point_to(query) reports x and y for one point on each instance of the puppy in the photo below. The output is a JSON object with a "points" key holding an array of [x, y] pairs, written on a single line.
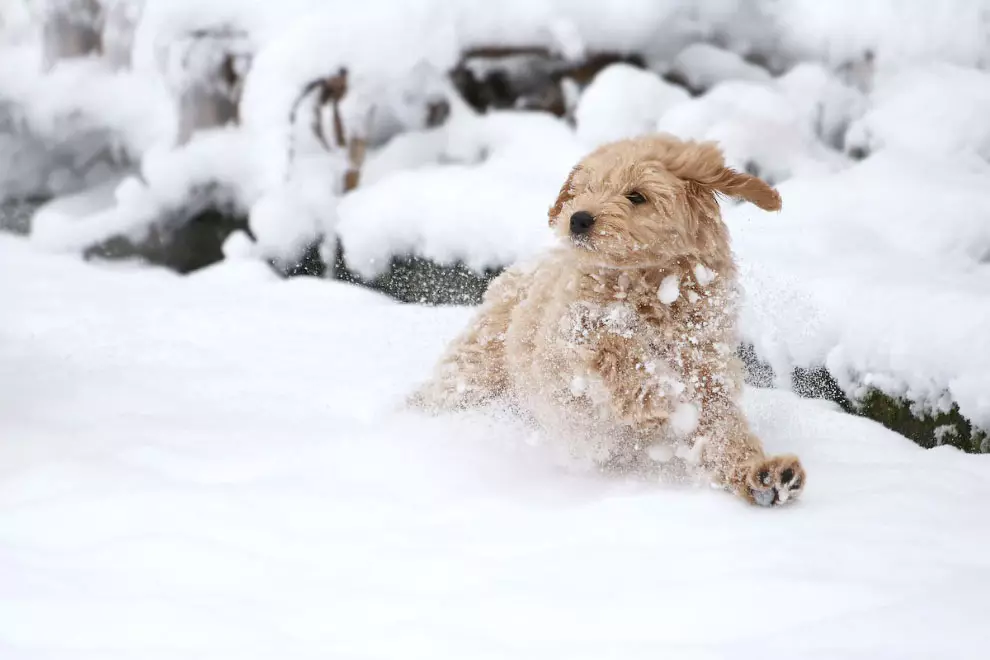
{"points": [[622, 340]]}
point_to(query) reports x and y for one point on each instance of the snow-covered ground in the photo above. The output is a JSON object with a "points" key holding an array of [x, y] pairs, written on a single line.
{"points": [[215, 467], [218, 466]]}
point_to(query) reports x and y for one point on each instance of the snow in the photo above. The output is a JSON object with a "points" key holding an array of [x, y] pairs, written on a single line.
{"points": [[827, 104], [623, 101], [880, 273], [670, 289], [704, 275], [936, 109], [898, 33], [215, 466], [486, 210], [702, 66], [169, 180], [85, 94], [684, 419], [759, 127]]}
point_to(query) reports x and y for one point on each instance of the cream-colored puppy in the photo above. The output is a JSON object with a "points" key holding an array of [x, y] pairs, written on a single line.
{"points": [[622, 340]]}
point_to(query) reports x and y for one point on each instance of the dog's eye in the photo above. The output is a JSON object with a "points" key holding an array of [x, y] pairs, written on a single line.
{"points": [[636, 198]]}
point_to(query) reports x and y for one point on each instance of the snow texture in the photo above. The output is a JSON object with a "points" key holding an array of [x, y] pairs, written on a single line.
{"points": [[486, 211], [623, 101], [757, 125], [880, 273], [206, 467], [670, 290], [939, 109], [702, 66]]}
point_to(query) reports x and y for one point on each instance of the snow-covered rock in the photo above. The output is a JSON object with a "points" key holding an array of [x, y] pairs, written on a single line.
{"points": [[760, 128], [702, 66], [935, 110], [827, 104], [623, 101], [486, 215], [880, 273], [897, 33]]}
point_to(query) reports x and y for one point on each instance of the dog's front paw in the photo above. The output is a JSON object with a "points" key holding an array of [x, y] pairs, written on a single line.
{"points": [[774, 481]]}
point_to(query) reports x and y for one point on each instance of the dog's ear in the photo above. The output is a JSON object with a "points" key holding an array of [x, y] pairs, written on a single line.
{"points": [[747, 187], [704, 164], [566, 194]]}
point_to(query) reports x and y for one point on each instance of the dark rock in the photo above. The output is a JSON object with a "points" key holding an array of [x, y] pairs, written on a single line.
{"points": [[16, 213], [525, 78], [818, 383], [311, 264], [757, 372], [183, 243], [928, 430], [413, 279]]}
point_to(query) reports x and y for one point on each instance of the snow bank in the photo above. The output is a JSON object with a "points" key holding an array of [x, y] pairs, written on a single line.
{"points": [[760, 128], [936, 110], [213, 168], [85, 94], [880, 273], [180, 481], [487, 214], [898, 33], [702, 66], [827, 105], [623, 101]]}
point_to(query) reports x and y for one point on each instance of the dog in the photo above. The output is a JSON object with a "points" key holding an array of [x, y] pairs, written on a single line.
{"points": [[622, 339]]}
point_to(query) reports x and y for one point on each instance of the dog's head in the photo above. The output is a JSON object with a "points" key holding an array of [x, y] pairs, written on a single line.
{"points": [[647, 200]]}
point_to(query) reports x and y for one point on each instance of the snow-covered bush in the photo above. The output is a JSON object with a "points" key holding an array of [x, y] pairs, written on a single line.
{"points": [[932, 110], [877, 273], [623, 101], [758, 126], [701, 66]]}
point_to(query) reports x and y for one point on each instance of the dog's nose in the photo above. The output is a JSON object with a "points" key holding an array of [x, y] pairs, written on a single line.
{"points": [[581, 222]]}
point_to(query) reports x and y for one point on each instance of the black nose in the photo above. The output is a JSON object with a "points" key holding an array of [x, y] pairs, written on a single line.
{"points": [[581, 222]]}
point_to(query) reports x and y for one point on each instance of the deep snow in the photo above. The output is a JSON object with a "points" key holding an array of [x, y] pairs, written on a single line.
{"points": [[215, 467]]}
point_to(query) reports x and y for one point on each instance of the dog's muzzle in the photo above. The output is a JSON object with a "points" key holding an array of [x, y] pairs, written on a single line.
{"points": [[581, 223]]}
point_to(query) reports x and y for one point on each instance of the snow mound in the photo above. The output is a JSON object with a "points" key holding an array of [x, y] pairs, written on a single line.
{"points": [[199, 486], [938, 110], [214, 167], [702, 66], [897, 33], [827, 105], [881, 273], [760, 129], [623, 101], [486, 214]]}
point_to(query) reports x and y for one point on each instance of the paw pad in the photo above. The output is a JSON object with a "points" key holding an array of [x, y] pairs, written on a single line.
{"points": [[775, 481]]}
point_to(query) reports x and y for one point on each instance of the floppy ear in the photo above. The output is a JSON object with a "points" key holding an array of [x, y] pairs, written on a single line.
{"points": [[703, 163], [566, 194], [747, 187]]}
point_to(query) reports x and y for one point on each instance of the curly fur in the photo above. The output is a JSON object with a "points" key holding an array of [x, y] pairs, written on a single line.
{"points": [[624, 339]]}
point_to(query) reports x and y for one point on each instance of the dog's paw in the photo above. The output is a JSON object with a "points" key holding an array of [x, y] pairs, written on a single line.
{"points": [[775, 481]]}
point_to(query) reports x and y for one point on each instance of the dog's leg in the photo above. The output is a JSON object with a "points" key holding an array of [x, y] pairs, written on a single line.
{"points": [[735, 459], [638, 398], [472, 371]]}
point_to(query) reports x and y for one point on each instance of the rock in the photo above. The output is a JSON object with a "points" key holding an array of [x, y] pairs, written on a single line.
{"points": [[526, 78], [927, 430], [16, 212], [183, 243], [413, 279]]}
